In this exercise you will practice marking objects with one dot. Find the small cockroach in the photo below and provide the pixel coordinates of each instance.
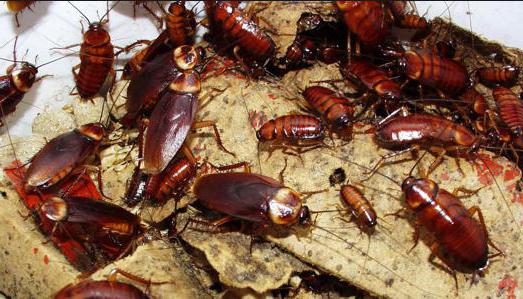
(510, 109)
(360, 207)
(338, 176)
(19, 79)
(63, 155)
(505, 76)
(474, 100)
(181, 24)
(17, 7)
(371, 78)
(456, 232)
(366, 19)
(96, 59)
(300, 131)
(232, 30)
(447, 76)
(334, 110)
(252, 197)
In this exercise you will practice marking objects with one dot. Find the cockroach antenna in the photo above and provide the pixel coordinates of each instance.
(88, 21)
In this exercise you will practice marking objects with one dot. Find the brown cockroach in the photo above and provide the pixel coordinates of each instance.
(474, 100)
(301, 132)
(62, 156)
(510, 109)
(106, 289)
(338, 176)
(460, 236)
(181, 24)
(252, 197)
(371, 78)
(360, 207)
(17, 7)
(96, 58)
(368, 20)
(505, 76)
(448, 77)
(336, 111)
(232, 30)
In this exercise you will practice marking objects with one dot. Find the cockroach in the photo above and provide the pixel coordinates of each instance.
(181, 24)
(510, 109)
(461, 237)
(368, 20)
(334, 110)
(302, 51)
(232, 30)
(338, 176)
(62, 156)
(17, 7)
(505, 76)
(299, 131)
(415, 22)
(106, 289)
(474, 100)
(447, 76)
(360, 207)
(369, 77)
(252, 197)
(96, 59)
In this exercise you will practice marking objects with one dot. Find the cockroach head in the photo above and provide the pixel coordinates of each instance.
(304, 217)
(285, 206)
(186, 57)
(54, 208)
(176, 8)
(95, 131)
(23, 75)
(408, 183)
(96, 35)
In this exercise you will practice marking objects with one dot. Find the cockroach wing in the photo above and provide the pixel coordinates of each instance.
(146, 85)
(9, 97)
(242, 195)
(169, 124)
(61, 154)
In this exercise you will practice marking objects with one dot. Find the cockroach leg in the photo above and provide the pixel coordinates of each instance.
(384, 158)
(465, 191)
(282, 172)
(114, 273)
(74, 70)
(398, 214)
(415, 236)
(434, 248)
(209, 123)
(475, 209)
(245, 165)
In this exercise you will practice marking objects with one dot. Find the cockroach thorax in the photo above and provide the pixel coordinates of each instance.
(185, 57)
(54, 208)
(23, 75)
(285, 206)
(95, 131)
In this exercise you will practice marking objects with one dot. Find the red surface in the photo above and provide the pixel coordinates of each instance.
(507, 286)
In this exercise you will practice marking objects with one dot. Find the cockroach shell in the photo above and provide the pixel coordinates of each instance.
(186, 57)
(100, 289)
(95, 131)
(251, 197)
(23, 75)
(186, 82)
(168, 127)
(54, 208)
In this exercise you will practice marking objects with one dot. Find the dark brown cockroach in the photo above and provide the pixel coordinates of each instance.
(19, 79)
(447, 76)
(334, 110)
(98, 219)
(368, 20)
(460, 236)
(493, 76)
(252, 197)
(369, 77)
(301, 132)
(63, 156)
(510, 109)
(17, 7)
(106, 289)
(474, 100)
(232, 30)
(300, 52)
(360, 207)
(96, 59)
